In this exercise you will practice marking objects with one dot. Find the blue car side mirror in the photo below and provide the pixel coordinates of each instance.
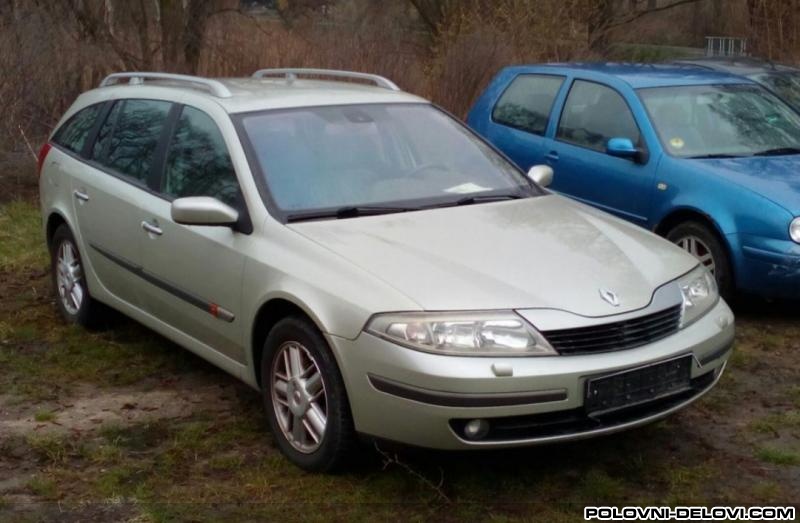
(622, 148)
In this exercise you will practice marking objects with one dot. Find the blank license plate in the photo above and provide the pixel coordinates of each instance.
(629, 388)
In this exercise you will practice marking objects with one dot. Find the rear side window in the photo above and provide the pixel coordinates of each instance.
(104, 135)
(527, 102)
(198, 163)
(73, 134)
(593, 114)
(135, 137)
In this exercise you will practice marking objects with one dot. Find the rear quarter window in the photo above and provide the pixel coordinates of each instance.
(72, 135)
(135, 134)
(527, 102)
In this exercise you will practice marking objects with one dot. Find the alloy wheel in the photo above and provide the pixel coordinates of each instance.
(298, 397)
(698, 248)
(69, 277)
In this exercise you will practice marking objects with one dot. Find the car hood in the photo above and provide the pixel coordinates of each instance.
(542, 252)
(774, 177)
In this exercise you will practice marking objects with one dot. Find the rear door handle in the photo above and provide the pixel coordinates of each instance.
(552, 156)
(152, 229)
(80, 195)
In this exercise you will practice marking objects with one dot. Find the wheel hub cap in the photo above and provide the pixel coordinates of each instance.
(298, 397)
(69, 277)
(698, 248)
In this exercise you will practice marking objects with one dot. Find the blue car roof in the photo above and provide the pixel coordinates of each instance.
(741, 65)
(640, 75)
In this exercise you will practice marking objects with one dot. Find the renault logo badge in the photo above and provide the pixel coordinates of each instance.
(610, 297)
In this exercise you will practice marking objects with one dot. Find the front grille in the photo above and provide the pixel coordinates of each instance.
(620, 335)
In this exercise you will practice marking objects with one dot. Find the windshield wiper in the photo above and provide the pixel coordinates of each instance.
(715, 156)
(484, 198)
(352, 211)
(778, 151)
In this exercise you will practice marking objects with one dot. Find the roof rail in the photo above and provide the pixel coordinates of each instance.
(291, 75)
(215, 87)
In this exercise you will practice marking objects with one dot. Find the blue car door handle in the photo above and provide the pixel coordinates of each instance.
(552, 156)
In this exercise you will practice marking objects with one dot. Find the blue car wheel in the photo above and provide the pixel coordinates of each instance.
(704, 244)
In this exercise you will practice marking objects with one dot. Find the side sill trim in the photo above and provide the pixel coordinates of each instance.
(456, 399)
(209, 307)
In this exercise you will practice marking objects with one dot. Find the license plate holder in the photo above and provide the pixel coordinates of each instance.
(633, 387)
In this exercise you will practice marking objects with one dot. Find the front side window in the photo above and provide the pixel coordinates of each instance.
(410, 155)
(73, 134)
(198, 163)
(706, 121)
(135, 136)
(593, 114)
(527, 102)
(786, 85)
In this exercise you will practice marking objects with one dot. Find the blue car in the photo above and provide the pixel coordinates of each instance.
(706, 159)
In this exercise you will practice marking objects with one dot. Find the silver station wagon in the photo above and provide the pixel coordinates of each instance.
(369, 264)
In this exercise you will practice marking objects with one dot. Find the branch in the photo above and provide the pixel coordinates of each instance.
(638, 14)
(394, 460)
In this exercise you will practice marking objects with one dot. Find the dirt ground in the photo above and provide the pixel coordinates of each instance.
(122, 425)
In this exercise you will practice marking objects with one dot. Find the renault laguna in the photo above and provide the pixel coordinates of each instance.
(369, 264)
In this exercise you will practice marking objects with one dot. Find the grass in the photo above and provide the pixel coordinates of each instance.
(43, 416)
(221, 463)
(778, 456)
(774, 423)
(794, 395)
(21, 237)
(43, 487)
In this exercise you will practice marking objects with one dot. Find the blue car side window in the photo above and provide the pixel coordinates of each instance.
(527, 102)
(593, 114)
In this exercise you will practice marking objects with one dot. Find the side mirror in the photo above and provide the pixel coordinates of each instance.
(203, 210)
(541, 174)
(623, 148)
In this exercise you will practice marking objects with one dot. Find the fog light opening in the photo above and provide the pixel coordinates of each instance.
(476, 429)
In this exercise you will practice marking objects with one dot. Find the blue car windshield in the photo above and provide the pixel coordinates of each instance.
(708, 121)
(786, 85)
(400, 155)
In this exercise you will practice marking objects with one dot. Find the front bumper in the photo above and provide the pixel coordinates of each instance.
(423, 399)
(768, 267)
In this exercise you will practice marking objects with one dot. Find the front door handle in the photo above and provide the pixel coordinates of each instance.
(152, 229)
(552, 156)
(80, 195)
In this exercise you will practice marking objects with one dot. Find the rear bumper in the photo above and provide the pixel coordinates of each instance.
(425, 399)
(768, 267)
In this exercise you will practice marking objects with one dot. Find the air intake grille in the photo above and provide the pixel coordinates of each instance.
(621, 335)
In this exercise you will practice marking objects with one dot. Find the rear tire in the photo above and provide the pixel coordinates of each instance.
(305, 398)
(704, 244)
(69, 282)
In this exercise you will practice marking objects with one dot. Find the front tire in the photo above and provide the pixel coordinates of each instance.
(700, 241)
(305, 398)
(69, 281)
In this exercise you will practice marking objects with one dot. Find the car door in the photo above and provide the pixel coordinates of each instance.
(107, 188)
(521, 116)
(195, 272)
(594, 113)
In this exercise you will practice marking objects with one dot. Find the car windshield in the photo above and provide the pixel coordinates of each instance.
(376, 157)
(786, 85)
(708, 121)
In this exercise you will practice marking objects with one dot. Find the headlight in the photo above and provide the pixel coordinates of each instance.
(462, 334)
(700, 293)
(794, 230)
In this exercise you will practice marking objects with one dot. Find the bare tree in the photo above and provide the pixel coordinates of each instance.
(433, 12)
(603, 16)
